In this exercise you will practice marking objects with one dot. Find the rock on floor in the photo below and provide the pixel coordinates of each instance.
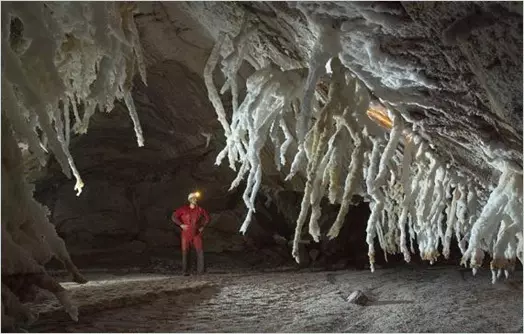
(357, 297)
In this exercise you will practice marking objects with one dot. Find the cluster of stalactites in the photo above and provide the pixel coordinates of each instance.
(413, 195)
(61, 61)
(267, 111)
(435, 204)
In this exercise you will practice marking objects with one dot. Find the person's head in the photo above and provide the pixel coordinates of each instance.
(193, 197)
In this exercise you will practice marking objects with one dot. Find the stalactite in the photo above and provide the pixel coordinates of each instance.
(394, 138)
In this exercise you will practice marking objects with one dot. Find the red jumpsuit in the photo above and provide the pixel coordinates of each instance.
(191, 218)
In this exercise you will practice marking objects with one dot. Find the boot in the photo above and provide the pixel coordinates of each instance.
(185, 263)
(200, 262)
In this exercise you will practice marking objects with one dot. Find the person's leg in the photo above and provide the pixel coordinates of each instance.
(184, 244)
(197, 241)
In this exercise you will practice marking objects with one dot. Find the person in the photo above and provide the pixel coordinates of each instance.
(192, 219)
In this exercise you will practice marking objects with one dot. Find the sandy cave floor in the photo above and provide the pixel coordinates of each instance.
(403, 299)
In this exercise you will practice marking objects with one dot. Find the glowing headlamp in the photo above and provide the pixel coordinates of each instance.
(196, 194)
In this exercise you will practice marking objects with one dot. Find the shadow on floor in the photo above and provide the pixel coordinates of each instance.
(388, 302)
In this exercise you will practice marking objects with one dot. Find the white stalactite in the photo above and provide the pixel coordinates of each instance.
(488, 217)
(353, 175)
(389, 151)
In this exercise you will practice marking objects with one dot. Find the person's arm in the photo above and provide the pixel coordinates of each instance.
(175, 217)
(205, 216)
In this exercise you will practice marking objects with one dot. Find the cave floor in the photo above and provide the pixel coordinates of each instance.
(402, 299)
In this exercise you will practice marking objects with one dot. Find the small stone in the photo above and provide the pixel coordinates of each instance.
(357, 297)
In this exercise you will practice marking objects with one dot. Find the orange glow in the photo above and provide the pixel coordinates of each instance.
(378, 114)
(380, 117)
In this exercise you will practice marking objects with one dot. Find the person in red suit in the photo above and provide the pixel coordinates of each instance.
(192, 219)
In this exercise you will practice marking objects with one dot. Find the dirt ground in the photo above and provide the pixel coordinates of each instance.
(402, 299)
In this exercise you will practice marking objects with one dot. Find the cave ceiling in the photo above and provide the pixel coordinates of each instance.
(453, 70)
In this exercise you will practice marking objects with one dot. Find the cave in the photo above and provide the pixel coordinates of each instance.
(360, 164)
